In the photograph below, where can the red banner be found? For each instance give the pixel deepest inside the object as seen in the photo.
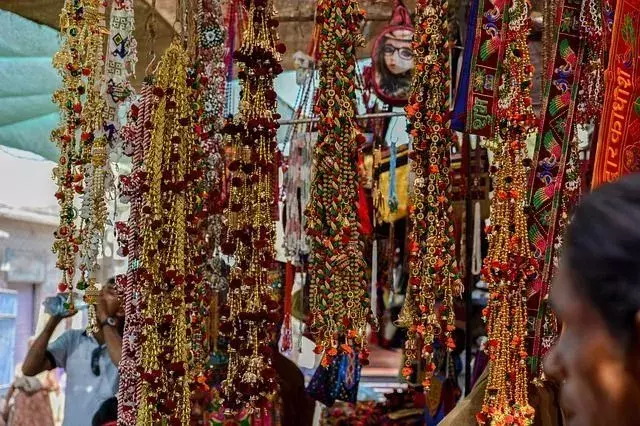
(618, 150)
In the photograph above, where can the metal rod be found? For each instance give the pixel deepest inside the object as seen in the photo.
(357, 117)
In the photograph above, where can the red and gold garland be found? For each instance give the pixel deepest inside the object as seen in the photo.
(509, 267)
(434, 280)
(249, 318)
(165, 265)
(340, 307)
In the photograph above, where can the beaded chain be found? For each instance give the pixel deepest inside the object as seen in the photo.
(164, 265)
(206, 78)
(433, 269)
(339, 294)
(509, 266)
(211, 54)
(93, 212)
(591, 89)
(78, 62)
(249, 317)
(136, 136)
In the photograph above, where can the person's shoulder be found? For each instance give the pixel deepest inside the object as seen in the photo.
(73, 335)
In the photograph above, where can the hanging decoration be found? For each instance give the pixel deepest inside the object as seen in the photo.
(551, 181)
(618, 152)
(339, 294)
(136, 136)
(393, 60)
(591, 89)
(164, 258)
(93, 211)
(120, 62)
(76, 62)
(509, 267)
(481, 70)
(248, 320)
(434, 280)
(206, 77)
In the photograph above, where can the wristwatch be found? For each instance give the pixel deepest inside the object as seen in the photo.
(110, 321)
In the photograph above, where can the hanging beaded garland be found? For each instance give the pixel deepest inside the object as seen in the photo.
(433, 272)
(136, 136)
(81, 110)
(340, 308)
(211, 53)
(93, 213)
(591, 89)
(509, 267)
(164, 264)
(249, 318)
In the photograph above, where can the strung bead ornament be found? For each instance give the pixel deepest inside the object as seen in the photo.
(164, 264)
(509, 266)
(248, 320)
(79, 64)
(340, 307)
(433, 271)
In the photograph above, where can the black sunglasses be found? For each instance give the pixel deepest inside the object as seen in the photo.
(95, 360)
(403, 52)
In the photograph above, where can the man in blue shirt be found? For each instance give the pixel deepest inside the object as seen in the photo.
(91, 362)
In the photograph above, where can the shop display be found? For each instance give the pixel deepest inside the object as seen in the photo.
(372, 226)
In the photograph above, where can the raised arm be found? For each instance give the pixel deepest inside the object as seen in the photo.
(37, 360)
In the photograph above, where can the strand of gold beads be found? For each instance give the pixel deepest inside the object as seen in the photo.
(249, 318)
(165, 393)
(509, 267)
(433, 273)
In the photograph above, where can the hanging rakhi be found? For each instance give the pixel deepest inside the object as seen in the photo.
(433, 272)
(165, 226)
(77, 62)
(93, 212)
(591, 89)
(554, 181)
(249, 317)
(206, 78)
(509, 267)
(340, 307)
(136, 136)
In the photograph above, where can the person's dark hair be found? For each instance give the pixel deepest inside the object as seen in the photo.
(108, 412)
(602, 252)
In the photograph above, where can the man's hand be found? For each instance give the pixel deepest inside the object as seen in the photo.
(67, 314)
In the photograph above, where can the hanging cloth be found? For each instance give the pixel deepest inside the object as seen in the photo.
(618, 153)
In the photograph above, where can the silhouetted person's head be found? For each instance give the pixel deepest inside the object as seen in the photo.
(596, 295)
